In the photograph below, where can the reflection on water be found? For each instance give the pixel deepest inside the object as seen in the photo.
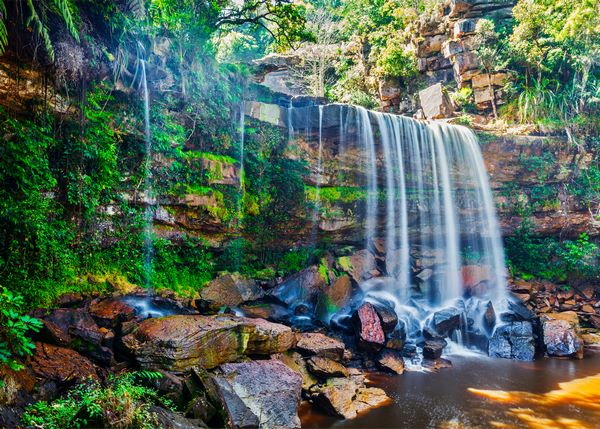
(486, 393)
(545, 410)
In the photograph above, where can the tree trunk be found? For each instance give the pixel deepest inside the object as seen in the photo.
(493, 94)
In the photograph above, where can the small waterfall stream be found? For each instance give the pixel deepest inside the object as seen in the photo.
(149, 202)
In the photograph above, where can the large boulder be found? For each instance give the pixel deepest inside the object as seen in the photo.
(387, 316)
(228, 290)
(513, 340)
(359, 265)
(391, 361)
(314, 343)
(446, 320)
(325, 368)
(60, 365)
(435, 102)
(259, 394)
(183, 341)
(562, 334)
(303, 286)
(368, 329)
(334, 297)
(296, 362)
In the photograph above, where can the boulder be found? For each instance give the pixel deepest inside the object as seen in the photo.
(346, 397)
(446, 320)
(314, 343)
(228, 290)
(482, 81)
(435, 102)
(110, 313)
(325, 368)
(261, 394)
(183, 341)
(167, 419)
(60, 365)
(304, 286)
(387, 316)
(433, 349)
(562, 334)
(489, 317)
(367, 327)
(391, 361)
(431, 45)
(513, 340)
(334, 297)
(358, 265)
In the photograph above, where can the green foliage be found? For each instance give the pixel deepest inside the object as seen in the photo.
(14, 325)
(463, 98)
(396, 60)
(123, 403)
(533, 256)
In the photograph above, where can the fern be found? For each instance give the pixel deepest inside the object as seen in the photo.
(3, 31)
(137, 8)
(40, 29)
(67, 11)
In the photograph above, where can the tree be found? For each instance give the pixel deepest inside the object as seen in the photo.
(489, 53)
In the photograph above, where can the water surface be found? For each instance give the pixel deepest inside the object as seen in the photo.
(480, 392)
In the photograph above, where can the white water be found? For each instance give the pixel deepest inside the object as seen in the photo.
(148, 192)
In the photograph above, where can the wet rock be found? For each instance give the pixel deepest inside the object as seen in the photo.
(595, 321)
(436, 364)
(314, 343)
(357, 265)
(435, 102)
(60, 365)
(368, 328)
(201, 408)
(264, 310)
(397, 338)
(167, 419)
(591, 341)
(489, 317)
(334, 297)
(110, 313)
(325, 368)
(303, 286)
(514, 340)
(296, 362)
(387, 316)
(433, 349)
(425, 274)
(446, 320)
(69, 300)
(228, 290)
(409, 350)
(183, 341)
(562, 334)
(391, 361)
(263, 394)
(521, 310)
(345, 397)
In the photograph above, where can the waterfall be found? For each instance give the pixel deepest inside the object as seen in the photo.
(242, 138)
(148, 192)
(317, 206)
(427, 198)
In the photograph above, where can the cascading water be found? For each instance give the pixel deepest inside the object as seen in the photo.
(427, 194)
(149, 202)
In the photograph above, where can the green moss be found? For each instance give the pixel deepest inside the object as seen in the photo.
(338, 194)
(344, 263)
(323, 271)
(212, 156)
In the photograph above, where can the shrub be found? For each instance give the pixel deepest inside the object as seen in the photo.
(124, 403)
(14, 324)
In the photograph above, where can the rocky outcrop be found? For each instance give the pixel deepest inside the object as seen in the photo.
(181, 342)
(261, 394)
(60, 365)
(317, 344)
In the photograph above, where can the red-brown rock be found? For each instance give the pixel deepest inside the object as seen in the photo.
(111, 312)
(60, 364)
(367, 326)
(314, 343)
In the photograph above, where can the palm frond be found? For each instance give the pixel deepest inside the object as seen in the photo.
(3, 30)
(40, 29)
(68, 12)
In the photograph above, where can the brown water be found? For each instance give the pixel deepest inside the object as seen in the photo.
(479, 392)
